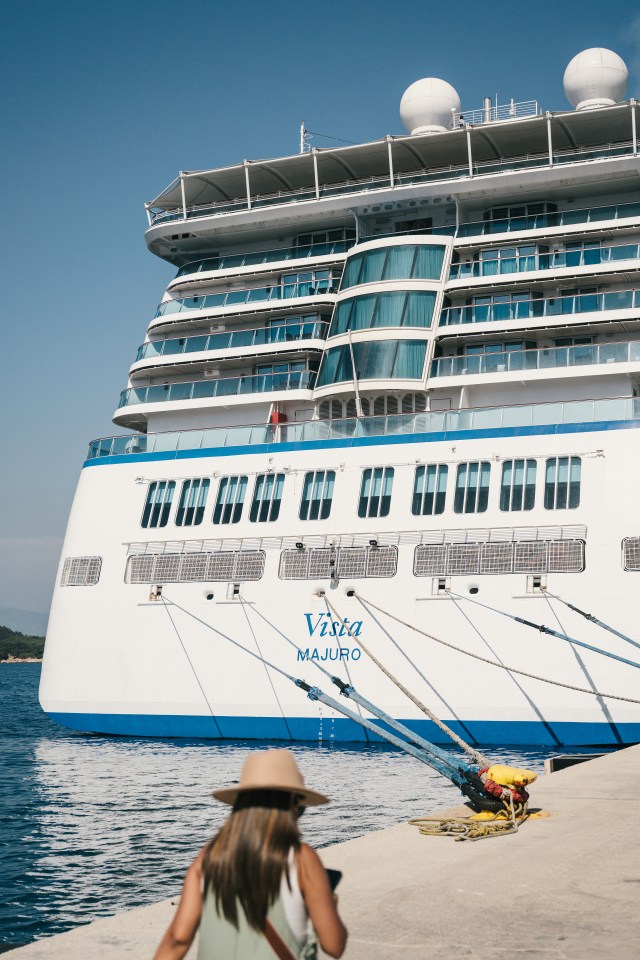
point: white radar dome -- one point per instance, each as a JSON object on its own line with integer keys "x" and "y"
{"x": 427, "y": 106}
{"x": 595, "y": 78}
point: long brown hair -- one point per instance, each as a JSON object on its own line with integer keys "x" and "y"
{"x": 245, "y": 861}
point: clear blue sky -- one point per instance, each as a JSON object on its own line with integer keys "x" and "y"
{"x": 104, "y": 102}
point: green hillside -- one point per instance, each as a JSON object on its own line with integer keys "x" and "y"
{"x": 18, "y": 645}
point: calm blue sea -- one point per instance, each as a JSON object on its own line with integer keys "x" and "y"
{"x": 90, "y": 826}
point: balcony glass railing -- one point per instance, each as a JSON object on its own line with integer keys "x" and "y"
{"x": 307, "y": 329}
{"x": 439, "y": 174}
{"x": 481, "y": 418}
{"x": 521, "y": 263}
{"x": 220, "y": 387}
{"x": 518, "y": 360}
{"x": 254, "y": 258}
{"x": 561, "y": 218}
{"x": 320, "y": 284}
{"x": 549, "y": 307}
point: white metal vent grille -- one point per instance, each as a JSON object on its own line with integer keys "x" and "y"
{"x": 430, "y": 560}
{"x": 195, "y": 567}
{"x": 382, "y": 561}
{"x": 354, "y": 562}
{"x": 320, "y": 563}
{"x": 538, "y": 556}
{"x": 566, "y": 556}
{"x": 530, "y": 557}
{"x": 463, "y": 558}
{"x": 81, "y": 571}
{"x": 631, "y": 553}
{"x": 496, "y": 558}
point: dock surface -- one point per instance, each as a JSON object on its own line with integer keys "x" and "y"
{"x": 562, "y": 888}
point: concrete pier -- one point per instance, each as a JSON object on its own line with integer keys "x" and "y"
{"x": 563, "y": 888}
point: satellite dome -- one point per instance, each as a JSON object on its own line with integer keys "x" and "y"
{"x": 595, "y": 78}
{"x": 427, "y": 105}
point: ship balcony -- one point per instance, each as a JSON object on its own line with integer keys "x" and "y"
{"x": 243, "y": 264}
{"x": 548, "y": 311}
{"x": 306, "y": 332}
{"x": 610, "y": 217}
{"x": 554, "y": 142}
{"x": 545, "y": 363}
{"x": 199, "y": 393}
{"x": 584, "y": 262}
{"x": 323, "y": 284}
{"x": 603, "y": 410}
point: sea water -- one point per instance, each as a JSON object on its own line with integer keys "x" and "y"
{"x": 92, "y": 825}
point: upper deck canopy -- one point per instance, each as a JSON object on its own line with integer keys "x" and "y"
{"x": 499, "y": 141}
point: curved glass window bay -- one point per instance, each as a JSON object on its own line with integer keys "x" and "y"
{"x": 375, "y": 492}
{"x": 429, "y": 489}
{"x": 398, "y": 262}
{"x": 472, "y": 487}
{"x": 395, "y": 308}
{"x": 158, "y": 503}
{"x": 317, "y": 494}
{"x": 193, "y": 497}
{"x": 267, "y": 497}
{"x": 374, "y": 360}
{"x": 230, "y": 499}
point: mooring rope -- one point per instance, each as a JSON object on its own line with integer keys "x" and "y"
{"x": 547, "y": 630}
{"x": 591, "y": 617}
{"x": 477, "y": 756}
{"x": 266, "y": 669}
{"x": 193, "y": 669}
{"x": 495, "y": 663}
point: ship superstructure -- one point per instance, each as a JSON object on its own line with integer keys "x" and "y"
{"x": 404, "y": 371}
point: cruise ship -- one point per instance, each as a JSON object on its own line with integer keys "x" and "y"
{"x": 389, "y": 398}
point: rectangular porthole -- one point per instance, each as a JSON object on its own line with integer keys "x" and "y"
{"x": 230, "y": 499}
{"x": 375, "y": 492}
{"x": 267, "y": 497}
{"x": 193, "y": 497}
{"x": 472, "y": 487}
{"x": 317, "y": 494}
{"x": 157, "y": 506}
{"x": 518, "y": 485}
{"x": 429, "y": 489}
{"x": 562, "y": 483}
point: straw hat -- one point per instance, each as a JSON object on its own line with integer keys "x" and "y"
{"x": 271, "y": 770}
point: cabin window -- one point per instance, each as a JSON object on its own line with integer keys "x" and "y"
{"x": 562, "y": 483}
{"x": 429, "y": 489}
{"x": 375, "y": 492}
{"x": 230, "y": 499}
{"x": 267, "y": 497}
{"x": 158, "y": 503}
{"x": 317, "y": 494}
{"x": 193, "y": 497}
{"x": 472, "y": 487}
{"x": 518, "y": 486}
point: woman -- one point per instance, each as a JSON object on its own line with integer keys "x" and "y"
{"x": 255, "y": 886}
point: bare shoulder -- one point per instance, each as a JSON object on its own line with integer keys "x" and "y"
{"x": 310, "y": 865}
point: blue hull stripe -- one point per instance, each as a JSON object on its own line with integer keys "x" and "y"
{"x": 497, "y": 732}
{"x": 390, "y": 440}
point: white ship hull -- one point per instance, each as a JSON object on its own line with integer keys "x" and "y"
{"x": 118, "y": 662}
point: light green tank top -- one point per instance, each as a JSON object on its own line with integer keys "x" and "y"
{"x": 219, "y": 939}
